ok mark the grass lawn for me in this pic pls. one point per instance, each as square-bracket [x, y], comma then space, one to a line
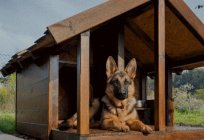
[7, 122]
[189, 118]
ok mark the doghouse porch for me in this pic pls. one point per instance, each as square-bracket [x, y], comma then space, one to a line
[171, 133]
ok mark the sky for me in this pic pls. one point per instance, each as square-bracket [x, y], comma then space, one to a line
[24, 21]
[199, 12]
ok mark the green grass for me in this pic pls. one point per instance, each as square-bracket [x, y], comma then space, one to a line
[7, 122]
[192, 118]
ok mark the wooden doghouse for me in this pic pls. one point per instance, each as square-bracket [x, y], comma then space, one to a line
[54, 75]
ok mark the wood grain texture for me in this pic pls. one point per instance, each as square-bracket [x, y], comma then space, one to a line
[169, 99]
[189, 16]
[137, 48]
[32, 97]
[83, 84]
[77, 24]
[160, 65]
[28, 115]
[121, 49]
[35, 130]
[180, 42]
[53, 94]
[140, 33]
[143, 83]
[96, 134]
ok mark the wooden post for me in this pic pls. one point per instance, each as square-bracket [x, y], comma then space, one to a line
[53, 93]
[169, 99]
[121, 49]
[144, 86]
[83, 84]
[159, 25]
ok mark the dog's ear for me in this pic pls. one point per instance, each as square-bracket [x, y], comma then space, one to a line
[131, 68]
[111, 66]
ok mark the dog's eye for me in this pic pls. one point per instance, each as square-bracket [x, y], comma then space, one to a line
[115, 81]
[127, 82]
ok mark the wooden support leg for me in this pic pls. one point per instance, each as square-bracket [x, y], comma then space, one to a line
[144, 86]
[159, 18]
[53, 93]
[169, 99]
[83, 84]
[121, 49]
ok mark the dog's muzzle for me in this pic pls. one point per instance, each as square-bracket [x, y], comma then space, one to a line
[121, 95]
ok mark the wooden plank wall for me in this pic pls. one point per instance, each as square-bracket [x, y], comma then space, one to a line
[32, 101]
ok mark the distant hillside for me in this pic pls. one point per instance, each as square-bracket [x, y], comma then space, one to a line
[193, 77]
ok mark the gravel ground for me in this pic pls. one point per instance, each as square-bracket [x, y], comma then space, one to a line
[4, 136]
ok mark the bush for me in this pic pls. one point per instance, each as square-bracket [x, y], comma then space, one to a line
[200, 94]
[7, 122]
[186, 101]
[7, 93]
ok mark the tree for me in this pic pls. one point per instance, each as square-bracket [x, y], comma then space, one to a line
[194, 77]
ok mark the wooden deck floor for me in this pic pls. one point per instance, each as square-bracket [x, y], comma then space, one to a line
[178, 132]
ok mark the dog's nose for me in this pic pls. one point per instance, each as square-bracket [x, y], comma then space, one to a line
[121, 95]
[124, 94]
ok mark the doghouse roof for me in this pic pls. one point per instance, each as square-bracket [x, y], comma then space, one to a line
[184, 34]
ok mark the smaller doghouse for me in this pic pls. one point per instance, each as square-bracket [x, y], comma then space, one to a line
[54, 75]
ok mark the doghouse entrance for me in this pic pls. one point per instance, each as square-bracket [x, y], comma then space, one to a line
[100, 49]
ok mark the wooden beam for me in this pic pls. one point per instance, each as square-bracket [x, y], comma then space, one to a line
[44, 42]
[83, 84]
[159, 25]
[185, 14]
[53, 94]
[140, 33]
[121, 49]
[89, 19]
[143, 86]
[144, 37]
[169, 99]
[195, 60]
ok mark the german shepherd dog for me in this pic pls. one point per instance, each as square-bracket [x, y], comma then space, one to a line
[119, 112]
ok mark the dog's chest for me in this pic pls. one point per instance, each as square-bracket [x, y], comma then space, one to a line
[123, 113]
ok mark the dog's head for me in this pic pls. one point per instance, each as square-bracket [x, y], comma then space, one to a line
[120, 83]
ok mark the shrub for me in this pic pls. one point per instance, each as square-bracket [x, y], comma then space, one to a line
[200, 94]
[186, 101]
[7, 122]
[7, 93]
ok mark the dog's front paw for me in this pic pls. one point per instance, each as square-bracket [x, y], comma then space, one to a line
[146, 129]
[63, 126]
[72, 123]
[124, 128]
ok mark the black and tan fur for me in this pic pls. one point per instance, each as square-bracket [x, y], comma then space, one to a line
[119, 113]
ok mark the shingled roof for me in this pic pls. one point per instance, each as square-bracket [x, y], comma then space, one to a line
[184, 34]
